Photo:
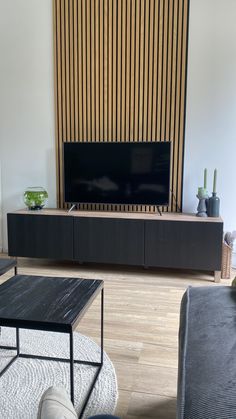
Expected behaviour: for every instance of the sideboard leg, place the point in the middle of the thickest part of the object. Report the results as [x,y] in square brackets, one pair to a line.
[217,276]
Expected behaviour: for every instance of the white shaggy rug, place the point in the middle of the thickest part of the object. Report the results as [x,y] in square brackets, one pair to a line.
[23,384]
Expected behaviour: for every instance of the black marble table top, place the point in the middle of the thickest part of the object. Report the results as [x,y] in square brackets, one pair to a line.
[6,265]
[46,303]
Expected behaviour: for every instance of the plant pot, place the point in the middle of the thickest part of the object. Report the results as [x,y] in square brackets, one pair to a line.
[35,198]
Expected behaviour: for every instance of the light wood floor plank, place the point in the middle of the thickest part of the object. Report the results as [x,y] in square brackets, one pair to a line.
[141,328]
[161,356]
[142,405]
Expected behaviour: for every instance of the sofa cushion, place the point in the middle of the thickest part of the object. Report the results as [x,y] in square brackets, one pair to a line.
[207,354]
[55,404]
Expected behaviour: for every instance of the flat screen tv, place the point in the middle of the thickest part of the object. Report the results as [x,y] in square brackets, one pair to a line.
[117,173]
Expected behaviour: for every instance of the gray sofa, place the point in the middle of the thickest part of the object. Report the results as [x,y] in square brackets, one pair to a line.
[207,359]
[207,354]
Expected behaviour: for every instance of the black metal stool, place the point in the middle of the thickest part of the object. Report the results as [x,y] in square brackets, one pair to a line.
[7,264]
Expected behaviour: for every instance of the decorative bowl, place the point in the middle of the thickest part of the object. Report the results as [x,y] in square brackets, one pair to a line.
[35,197]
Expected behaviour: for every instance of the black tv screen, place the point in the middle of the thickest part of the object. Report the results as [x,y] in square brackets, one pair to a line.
[117,173]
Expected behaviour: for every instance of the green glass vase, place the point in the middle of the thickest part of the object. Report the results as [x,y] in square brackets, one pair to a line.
[35,198]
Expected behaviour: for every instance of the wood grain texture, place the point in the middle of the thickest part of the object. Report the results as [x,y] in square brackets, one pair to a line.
[141,329]
[43,303]
[117,240]
[40,236]
[107,240]
[163,238]
[120,75]
[128,215]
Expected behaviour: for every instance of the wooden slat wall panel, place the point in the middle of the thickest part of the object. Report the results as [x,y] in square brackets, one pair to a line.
[120,75]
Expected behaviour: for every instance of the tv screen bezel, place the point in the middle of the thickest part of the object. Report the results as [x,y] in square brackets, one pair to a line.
[115,203]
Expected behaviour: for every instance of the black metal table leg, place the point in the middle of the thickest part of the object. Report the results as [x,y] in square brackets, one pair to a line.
[101,363]
[17,348]
[72,368]
[17,341]
[102,323]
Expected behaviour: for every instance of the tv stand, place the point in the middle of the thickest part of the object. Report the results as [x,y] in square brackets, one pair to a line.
[72,207]
[174,240]
[159,211]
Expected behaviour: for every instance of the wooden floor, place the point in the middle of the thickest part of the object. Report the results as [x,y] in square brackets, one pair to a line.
[141,329]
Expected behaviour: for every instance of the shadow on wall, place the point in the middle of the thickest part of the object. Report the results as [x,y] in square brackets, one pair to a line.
[12,202]
[51,180]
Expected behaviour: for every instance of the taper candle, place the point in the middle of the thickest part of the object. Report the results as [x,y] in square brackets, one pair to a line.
[205,178]
[214,181]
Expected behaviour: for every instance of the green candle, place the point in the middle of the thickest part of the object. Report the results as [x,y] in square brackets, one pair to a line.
[214,181]
[205,178]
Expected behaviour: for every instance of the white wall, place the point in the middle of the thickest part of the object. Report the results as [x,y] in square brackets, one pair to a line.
[27,138]
[1,224]
[211,104]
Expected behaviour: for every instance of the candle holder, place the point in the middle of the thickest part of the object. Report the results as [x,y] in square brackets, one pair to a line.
[203,202]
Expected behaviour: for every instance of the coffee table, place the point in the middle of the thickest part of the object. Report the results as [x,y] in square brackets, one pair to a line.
[7,264]
[50,304]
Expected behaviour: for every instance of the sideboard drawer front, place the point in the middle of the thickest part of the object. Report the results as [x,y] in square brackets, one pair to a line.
[40,236]
[109,241]
[187,245]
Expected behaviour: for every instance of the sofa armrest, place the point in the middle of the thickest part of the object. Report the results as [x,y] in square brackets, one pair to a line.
[207,354]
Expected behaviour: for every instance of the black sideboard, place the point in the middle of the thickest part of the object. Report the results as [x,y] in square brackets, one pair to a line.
[181,241]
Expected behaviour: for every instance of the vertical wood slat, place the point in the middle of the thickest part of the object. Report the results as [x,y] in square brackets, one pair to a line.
[114,70]
[93,69]
[101,68]
[67,70]
[132,70]
[105,65]
[150,81]
[168,85]
[123,68]
[164,68]
[110,70]
[84,68]
[80,72]
[146,69]
[88,63]
[71,64]
[160,69]
[155,69]
[120,75]
[127,72]
[141,68]
[76,86]
[119,62]
[97,71]
[137,69]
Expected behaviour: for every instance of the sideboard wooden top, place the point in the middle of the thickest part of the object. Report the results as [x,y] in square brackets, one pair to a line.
[166,216]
